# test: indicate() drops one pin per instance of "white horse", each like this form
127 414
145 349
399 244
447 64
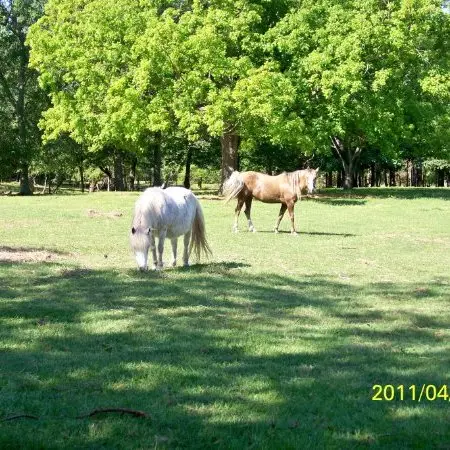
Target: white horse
170 213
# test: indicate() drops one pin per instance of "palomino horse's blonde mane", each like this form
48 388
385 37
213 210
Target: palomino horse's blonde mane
295 181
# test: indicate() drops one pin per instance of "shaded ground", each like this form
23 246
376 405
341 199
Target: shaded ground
391 192
219 358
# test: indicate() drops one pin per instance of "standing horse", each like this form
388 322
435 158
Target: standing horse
170 213
285 188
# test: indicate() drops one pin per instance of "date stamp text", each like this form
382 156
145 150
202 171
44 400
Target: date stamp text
413 392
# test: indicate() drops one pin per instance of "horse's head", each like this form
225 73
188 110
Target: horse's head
140 243
311 179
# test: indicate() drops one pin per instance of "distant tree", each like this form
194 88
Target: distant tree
84 54
58 161
367 73
21 101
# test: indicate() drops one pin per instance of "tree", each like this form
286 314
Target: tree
118 70
21 99
84 54
367 73
217 76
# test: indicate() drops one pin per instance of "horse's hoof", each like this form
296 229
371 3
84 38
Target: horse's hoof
275 230
174 263
235 230
252 230
294 233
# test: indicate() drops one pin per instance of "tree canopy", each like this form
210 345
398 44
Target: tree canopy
315 76
21 101
368 73
117 70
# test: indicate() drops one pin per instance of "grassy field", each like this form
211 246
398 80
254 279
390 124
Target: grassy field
275 343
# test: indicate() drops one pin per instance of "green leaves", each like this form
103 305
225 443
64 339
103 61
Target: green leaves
82 50
117 69
293 73
363 67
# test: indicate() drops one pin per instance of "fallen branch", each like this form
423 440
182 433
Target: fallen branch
133 412
20 416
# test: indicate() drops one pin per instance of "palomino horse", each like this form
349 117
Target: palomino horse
285 188
162 213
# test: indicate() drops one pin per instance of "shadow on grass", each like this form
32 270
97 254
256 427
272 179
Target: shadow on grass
219 357
310 233
339 202
403 193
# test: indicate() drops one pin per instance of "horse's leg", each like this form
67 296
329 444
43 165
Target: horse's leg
280 216
290 207
186 239
153 249
174 242
162 237
237 211
248 207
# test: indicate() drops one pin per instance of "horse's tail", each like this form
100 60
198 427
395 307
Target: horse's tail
198 235
233 186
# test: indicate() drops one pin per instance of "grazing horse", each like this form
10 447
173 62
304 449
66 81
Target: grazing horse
170 213
285 188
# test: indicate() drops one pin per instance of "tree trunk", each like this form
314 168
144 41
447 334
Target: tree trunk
45 184
419 172
339 179
348 157
187 175
132 173
439 178
348 176
118 176
25 188
157 162
80 168
392 181
108 174
229 142
415 175
408 176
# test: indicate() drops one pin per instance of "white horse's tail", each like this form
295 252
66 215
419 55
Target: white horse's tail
233 186
199 243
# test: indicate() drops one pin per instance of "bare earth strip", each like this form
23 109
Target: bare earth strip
19 254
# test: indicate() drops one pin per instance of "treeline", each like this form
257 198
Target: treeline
112 92
407 174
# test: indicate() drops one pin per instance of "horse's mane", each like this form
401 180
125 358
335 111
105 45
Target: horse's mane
295 181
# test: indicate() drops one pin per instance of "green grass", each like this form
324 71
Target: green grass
274 343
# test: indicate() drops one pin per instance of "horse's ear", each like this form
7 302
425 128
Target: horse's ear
133 230
148 230
317 169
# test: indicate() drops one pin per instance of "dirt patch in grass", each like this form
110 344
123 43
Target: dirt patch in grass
112 214
23 254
